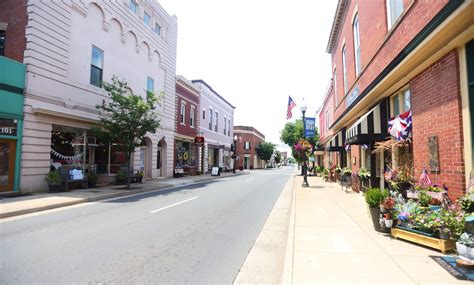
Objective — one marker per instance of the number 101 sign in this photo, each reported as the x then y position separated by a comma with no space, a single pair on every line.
8,131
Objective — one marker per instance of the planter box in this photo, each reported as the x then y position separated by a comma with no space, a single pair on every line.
434,195
439,244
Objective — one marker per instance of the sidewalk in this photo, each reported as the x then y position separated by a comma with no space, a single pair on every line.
331,240
15,206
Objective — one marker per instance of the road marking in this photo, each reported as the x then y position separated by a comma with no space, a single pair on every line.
172,205
251,179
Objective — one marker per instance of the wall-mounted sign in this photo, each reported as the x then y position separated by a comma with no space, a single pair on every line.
353,95
310,127
199,141
433,153
8,127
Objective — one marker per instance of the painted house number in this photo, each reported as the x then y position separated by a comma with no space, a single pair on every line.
7,131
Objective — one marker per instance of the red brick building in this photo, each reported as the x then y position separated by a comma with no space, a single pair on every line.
392,56
247,139
186,127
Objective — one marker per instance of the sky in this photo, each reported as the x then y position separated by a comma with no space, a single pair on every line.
256,53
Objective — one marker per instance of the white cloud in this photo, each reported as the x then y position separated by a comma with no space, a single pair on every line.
256,53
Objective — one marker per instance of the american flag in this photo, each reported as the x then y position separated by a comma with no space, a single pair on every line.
390,174
470,183
291,105
424,178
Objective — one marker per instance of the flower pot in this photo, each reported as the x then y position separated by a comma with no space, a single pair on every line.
388,223
375,214
465,252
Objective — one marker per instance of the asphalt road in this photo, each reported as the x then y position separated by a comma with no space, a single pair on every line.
198,233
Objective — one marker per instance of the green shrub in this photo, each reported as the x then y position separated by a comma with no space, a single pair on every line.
374,196
53,177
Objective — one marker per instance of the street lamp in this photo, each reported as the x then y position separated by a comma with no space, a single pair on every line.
303,108
234,155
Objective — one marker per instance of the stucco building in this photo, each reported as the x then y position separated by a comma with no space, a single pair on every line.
216,126
68,48
395,56
247,139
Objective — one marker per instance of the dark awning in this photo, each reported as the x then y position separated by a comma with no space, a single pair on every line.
371,127
336,143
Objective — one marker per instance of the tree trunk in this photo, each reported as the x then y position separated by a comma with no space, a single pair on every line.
127,176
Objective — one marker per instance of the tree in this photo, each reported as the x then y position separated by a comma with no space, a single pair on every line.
265,151
277,157
128,118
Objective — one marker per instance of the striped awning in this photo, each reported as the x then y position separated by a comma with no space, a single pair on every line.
371,127
336,143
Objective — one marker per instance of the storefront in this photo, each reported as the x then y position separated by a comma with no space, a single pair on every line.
12,84
185,158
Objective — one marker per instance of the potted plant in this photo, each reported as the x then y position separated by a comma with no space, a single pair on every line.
373,198
91,179
140,176
325,173
387,204
364,174
387,218
346,171
120,178
54,181
465,246
406,210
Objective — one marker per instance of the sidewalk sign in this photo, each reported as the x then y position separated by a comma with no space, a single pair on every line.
215,171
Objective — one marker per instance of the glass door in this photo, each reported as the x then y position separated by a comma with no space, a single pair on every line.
7,164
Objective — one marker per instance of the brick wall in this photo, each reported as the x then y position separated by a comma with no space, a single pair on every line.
191,100
254,141
13,12
436,107
378,45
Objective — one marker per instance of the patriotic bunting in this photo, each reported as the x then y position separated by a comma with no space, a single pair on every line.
400,126
65,157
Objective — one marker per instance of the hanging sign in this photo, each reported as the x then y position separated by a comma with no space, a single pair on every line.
199,141
310,127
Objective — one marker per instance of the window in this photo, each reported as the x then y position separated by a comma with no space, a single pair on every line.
400,102
210,119
2,43
356,45
191,116
182,113
335,88
394,10
133,6
150,84
228,129
344,69
247,145
225,126
217,122
146,18
203,114
97,66
157,29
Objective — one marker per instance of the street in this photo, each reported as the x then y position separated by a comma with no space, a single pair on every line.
199,233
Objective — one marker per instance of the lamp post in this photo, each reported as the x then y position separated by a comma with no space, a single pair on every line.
303,108
234,155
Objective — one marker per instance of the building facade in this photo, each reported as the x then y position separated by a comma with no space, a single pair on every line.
187,127
216,126
396,56
247,139
66,62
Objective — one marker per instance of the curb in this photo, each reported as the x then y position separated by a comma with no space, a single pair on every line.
266,259
157,187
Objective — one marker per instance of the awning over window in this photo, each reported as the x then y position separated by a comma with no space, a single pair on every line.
371,127
336,143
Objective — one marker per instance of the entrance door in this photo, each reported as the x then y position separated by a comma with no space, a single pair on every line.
143,162
7,164
246,162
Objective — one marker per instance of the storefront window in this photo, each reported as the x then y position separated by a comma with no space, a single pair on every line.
185,154
118,158
67,147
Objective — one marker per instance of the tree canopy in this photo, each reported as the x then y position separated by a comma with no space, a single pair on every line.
265,150
127,118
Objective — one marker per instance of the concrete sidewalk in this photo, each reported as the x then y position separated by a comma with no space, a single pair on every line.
332,240
15,206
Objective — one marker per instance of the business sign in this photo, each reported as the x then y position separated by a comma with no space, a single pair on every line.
8,127
351,98
199,141
310,127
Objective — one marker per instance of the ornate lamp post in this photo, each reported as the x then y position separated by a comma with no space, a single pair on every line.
303,108
234,155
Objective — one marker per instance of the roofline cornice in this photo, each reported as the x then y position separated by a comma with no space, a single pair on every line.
336,24
210,88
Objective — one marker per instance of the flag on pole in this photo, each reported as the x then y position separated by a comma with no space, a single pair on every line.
291,105
470,183
424,178
390,174
400,126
